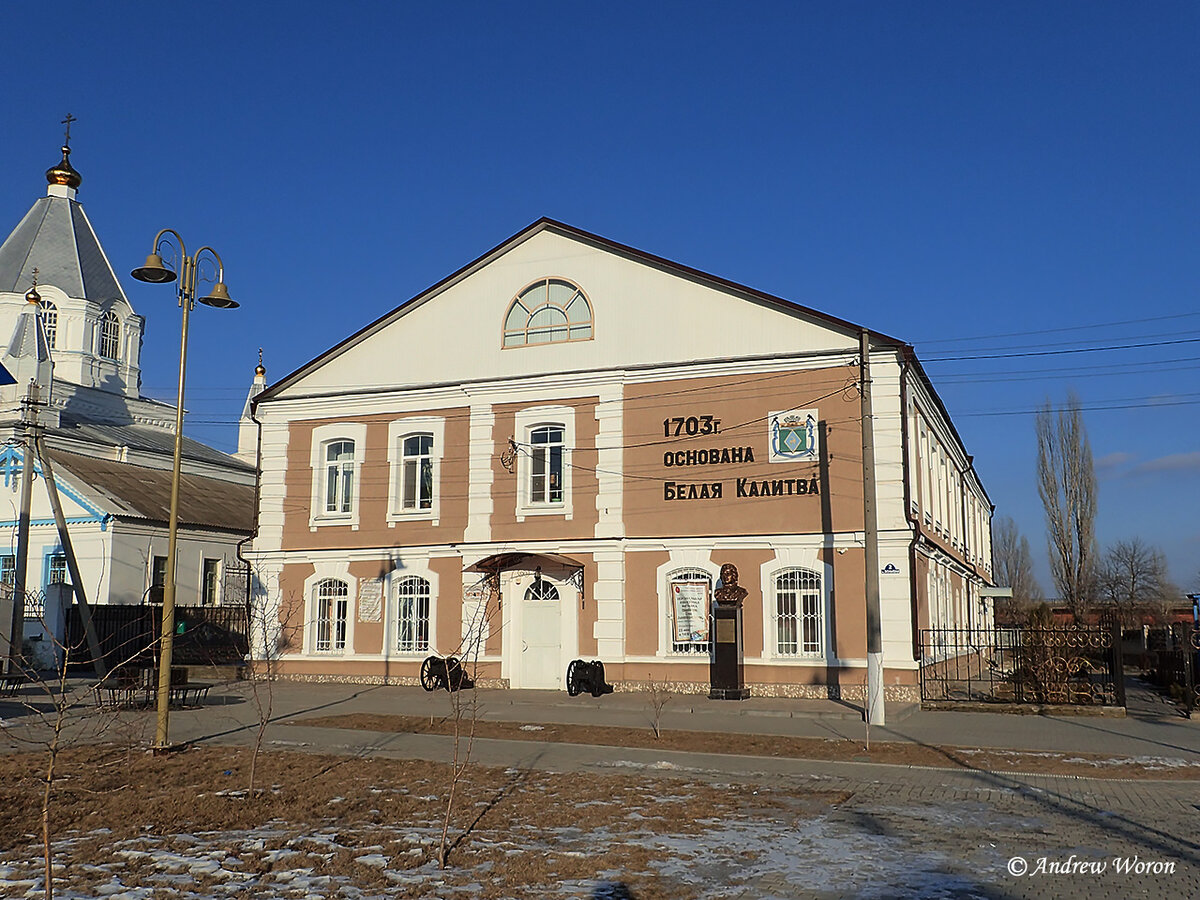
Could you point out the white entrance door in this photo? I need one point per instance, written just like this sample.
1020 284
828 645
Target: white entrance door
542 600
541 644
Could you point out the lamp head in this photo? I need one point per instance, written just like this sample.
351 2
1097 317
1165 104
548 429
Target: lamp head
153 272
220 297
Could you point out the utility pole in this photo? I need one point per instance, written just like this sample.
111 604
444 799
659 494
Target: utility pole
873 708
64 536
28 428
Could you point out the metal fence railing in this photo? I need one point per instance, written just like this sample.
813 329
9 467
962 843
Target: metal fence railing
1070 665
205 635
1172 659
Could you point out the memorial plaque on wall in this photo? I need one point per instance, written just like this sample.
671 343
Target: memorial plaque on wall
689 602
370 600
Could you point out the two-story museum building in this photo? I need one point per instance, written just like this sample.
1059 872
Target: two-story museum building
550 455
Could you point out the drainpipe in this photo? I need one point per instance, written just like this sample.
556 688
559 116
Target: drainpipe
905 438
254 532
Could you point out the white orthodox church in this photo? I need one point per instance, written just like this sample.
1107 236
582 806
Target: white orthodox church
67 329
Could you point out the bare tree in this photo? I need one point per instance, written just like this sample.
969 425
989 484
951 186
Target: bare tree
659 696
58 716
1067 485
273 628
1014 568
1133 580
464 699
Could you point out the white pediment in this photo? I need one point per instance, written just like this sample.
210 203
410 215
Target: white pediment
645 313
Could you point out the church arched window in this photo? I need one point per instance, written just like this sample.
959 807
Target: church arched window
110 336
49 314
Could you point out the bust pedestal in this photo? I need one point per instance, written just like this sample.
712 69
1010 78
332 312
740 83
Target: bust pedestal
726 672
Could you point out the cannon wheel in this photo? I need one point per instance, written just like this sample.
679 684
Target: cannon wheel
429 681
572 684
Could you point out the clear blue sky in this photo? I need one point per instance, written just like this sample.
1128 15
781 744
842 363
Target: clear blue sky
935 171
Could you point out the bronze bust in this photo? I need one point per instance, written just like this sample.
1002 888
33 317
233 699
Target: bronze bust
730 593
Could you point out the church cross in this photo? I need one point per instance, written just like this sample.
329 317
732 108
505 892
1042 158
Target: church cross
67 121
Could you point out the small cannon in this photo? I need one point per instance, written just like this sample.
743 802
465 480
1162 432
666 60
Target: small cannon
444 672
587 677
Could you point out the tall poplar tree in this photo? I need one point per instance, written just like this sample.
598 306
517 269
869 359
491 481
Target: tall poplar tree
1067 486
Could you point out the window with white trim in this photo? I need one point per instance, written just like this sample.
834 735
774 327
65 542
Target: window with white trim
924 477
49 316
56 569
210 582
110 336
549 311
339 476
337 456
541 591
799 613
331 614
416 472
546 434
546 465
415 448
412 615
685 578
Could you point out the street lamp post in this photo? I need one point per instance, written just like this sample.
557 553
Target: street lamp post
155 272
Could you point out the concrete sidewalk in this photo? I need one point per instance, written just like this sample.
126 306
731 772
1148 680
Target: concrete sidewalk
1165 734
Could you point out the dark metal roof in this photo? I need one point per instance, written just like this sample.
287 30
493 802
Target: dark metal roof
144 438
145 493
56 237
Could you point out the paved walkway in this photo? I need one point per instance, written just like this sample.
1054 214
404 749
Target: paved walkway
1153 732
900 832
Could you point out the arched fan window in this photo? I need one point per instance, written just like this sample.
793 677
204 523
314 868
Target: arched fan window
550 311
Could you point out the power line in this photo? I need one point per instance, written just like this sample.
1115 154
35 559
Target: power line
1066 328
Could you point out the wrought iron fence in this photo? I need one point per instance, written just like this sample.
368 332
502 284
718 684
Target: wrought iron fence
1173 660
206 635
1072 665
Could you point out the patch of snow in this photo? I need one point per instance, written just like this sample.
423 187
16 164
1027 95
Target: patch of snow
1149 762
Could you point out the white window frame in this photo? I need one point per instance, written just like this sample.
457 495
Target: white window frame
681 560
397 432
689 649
527 420
417 648
322 437
219 573
800 614
786 559
48 312
339 476
104 337
340 610
924 476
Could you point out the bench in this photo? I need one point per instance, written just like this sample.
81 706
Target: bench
138 687
11 683
189 693
122 688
